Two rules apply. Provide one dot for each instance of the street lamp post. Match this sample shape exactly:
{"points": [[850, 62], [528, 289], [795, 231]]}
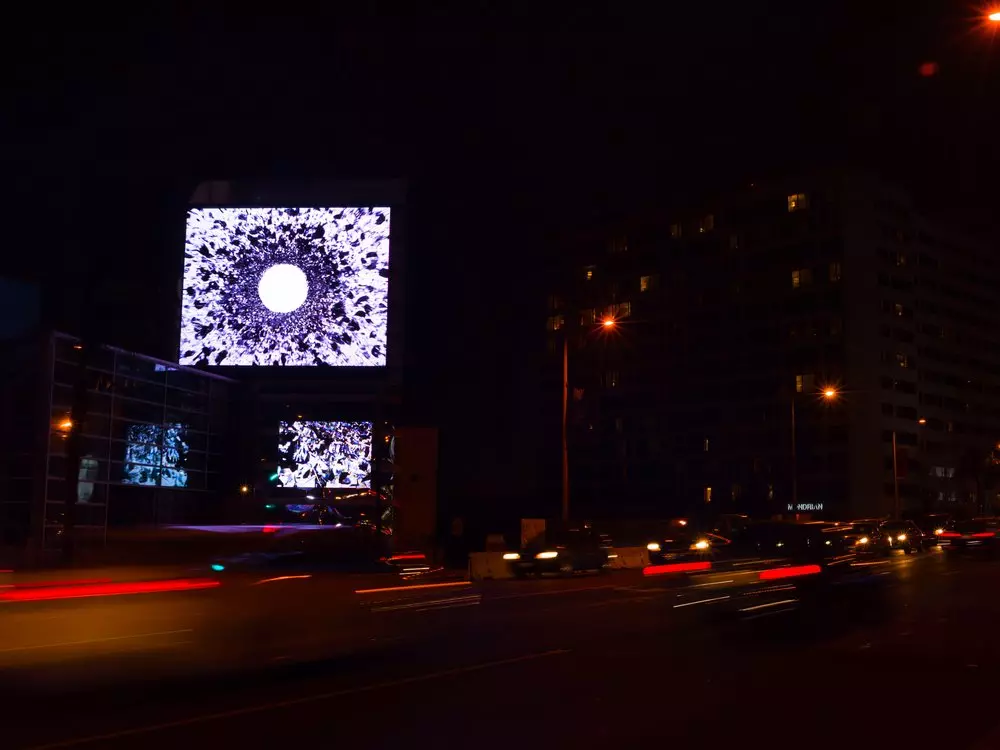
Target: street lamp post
{"points": [[565, 442], [895, 479], [828, 393], [606, 324], [795, 466]]}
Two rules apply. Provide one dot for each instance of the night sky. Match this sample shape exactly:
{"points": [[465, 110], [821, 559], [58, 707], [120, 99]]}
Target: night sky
{"points": [[506, 140]]}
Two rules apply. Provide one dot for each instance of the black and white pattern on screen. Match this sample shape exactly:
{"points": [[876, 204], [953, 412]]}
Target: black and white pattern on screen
{"points": [[285, 286], [156, 454], [324, 454]]}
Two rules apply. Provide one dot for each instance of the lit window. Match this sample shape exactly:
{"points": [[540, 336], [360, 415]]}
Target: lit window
{"points": [[555, 322], [588, 273], [708, 494], [804, 383], [588, 317], [902, 360], [898, 309], [835, 271], [644, 283], [611, 379], [706, 445], [801, 277], [707, 224], [675, 231], [624, 309], [798, 202], [798, 384]]}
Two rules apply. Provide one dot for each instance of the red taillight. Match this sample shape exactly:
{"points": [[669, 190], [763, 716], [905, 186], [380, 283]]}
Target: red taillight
{"points": [[270, 529], [656, 570], [56, 584], [799, 570], [951, 535], [982, 535], [85, 591]]}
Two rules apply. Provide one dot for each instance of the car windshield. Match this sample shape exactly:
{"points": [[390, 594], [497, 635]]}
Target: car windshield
{"points": [[894, 527]]}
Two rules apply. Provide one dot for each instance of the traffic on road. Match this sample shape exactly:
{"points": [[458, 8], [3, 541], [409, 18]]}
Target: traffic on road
{"points": [[251, 641]]}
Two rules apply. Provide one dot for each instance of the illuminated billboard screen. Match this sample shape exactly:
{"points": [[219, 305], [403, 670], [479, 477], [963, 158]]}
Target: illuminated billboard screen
{"points": [[324, 454], [285, 287], [155, 455]]}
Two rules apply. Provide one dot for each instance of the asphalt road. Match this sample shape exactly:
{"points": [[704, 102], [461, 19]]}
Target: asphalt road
{"points": [[595, 661]]}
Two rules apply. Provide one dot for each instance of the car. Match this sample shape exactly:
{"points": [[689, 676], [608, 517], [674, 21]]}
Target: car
{"points": [[903, 535], [933, 525], [561, 552], [684, 543], [868, 538], [977, 535], [769, 567]]}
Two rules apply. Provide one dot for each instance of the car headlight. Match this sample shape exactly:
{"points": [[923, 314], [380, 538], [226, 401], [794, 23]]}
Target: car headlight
{"points": [[901, 538], [653, 546], [938, 532], [863, 540], [700, 544], [547, 555], [511, 556]]}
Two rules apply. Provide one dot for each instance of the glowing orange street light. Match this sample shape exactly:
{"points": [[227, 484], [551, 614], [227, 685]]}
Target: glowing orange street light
{"points": [[608, 322], [244, 489], [66, 424], [921, 421], [829, 393], [994, 17]]}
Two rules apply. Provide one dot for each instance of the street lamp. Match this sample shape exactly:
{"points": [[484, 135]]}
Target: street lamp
{"points": [[829, 393], [607, 324], [994, 17]]}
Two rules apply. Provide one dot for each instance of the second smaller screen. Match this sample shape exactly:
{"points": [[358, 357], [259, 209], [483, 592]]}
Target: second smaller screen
{"points": [[324, 454]]}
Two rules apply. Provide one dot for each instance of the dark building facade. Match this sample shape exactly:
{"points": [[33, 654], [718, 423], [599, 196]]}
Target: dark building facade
{"points": [[153, 442], [768, 350]]}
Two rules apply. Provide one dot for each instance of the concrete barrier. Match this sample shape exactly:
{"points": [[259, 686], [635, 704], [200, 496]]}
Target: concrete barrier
{"points": [[488, 565], [627, 558]]}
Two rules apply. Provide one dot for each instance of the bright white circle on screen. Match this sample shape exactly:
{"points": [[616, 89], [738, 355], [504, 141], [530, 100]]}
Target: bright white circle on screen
{"points": [[283, 288]]}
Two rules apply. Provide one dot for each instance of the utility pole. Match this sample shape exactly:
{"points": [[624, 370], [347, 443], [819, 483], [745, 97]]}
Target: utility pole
{"points": [[895, 479], [565, 444], [795, 466]]}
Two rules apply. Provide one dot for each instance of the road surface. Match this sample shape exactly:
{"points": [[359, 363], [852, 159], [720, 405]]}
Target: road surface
{"points": [[595, 661]]}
